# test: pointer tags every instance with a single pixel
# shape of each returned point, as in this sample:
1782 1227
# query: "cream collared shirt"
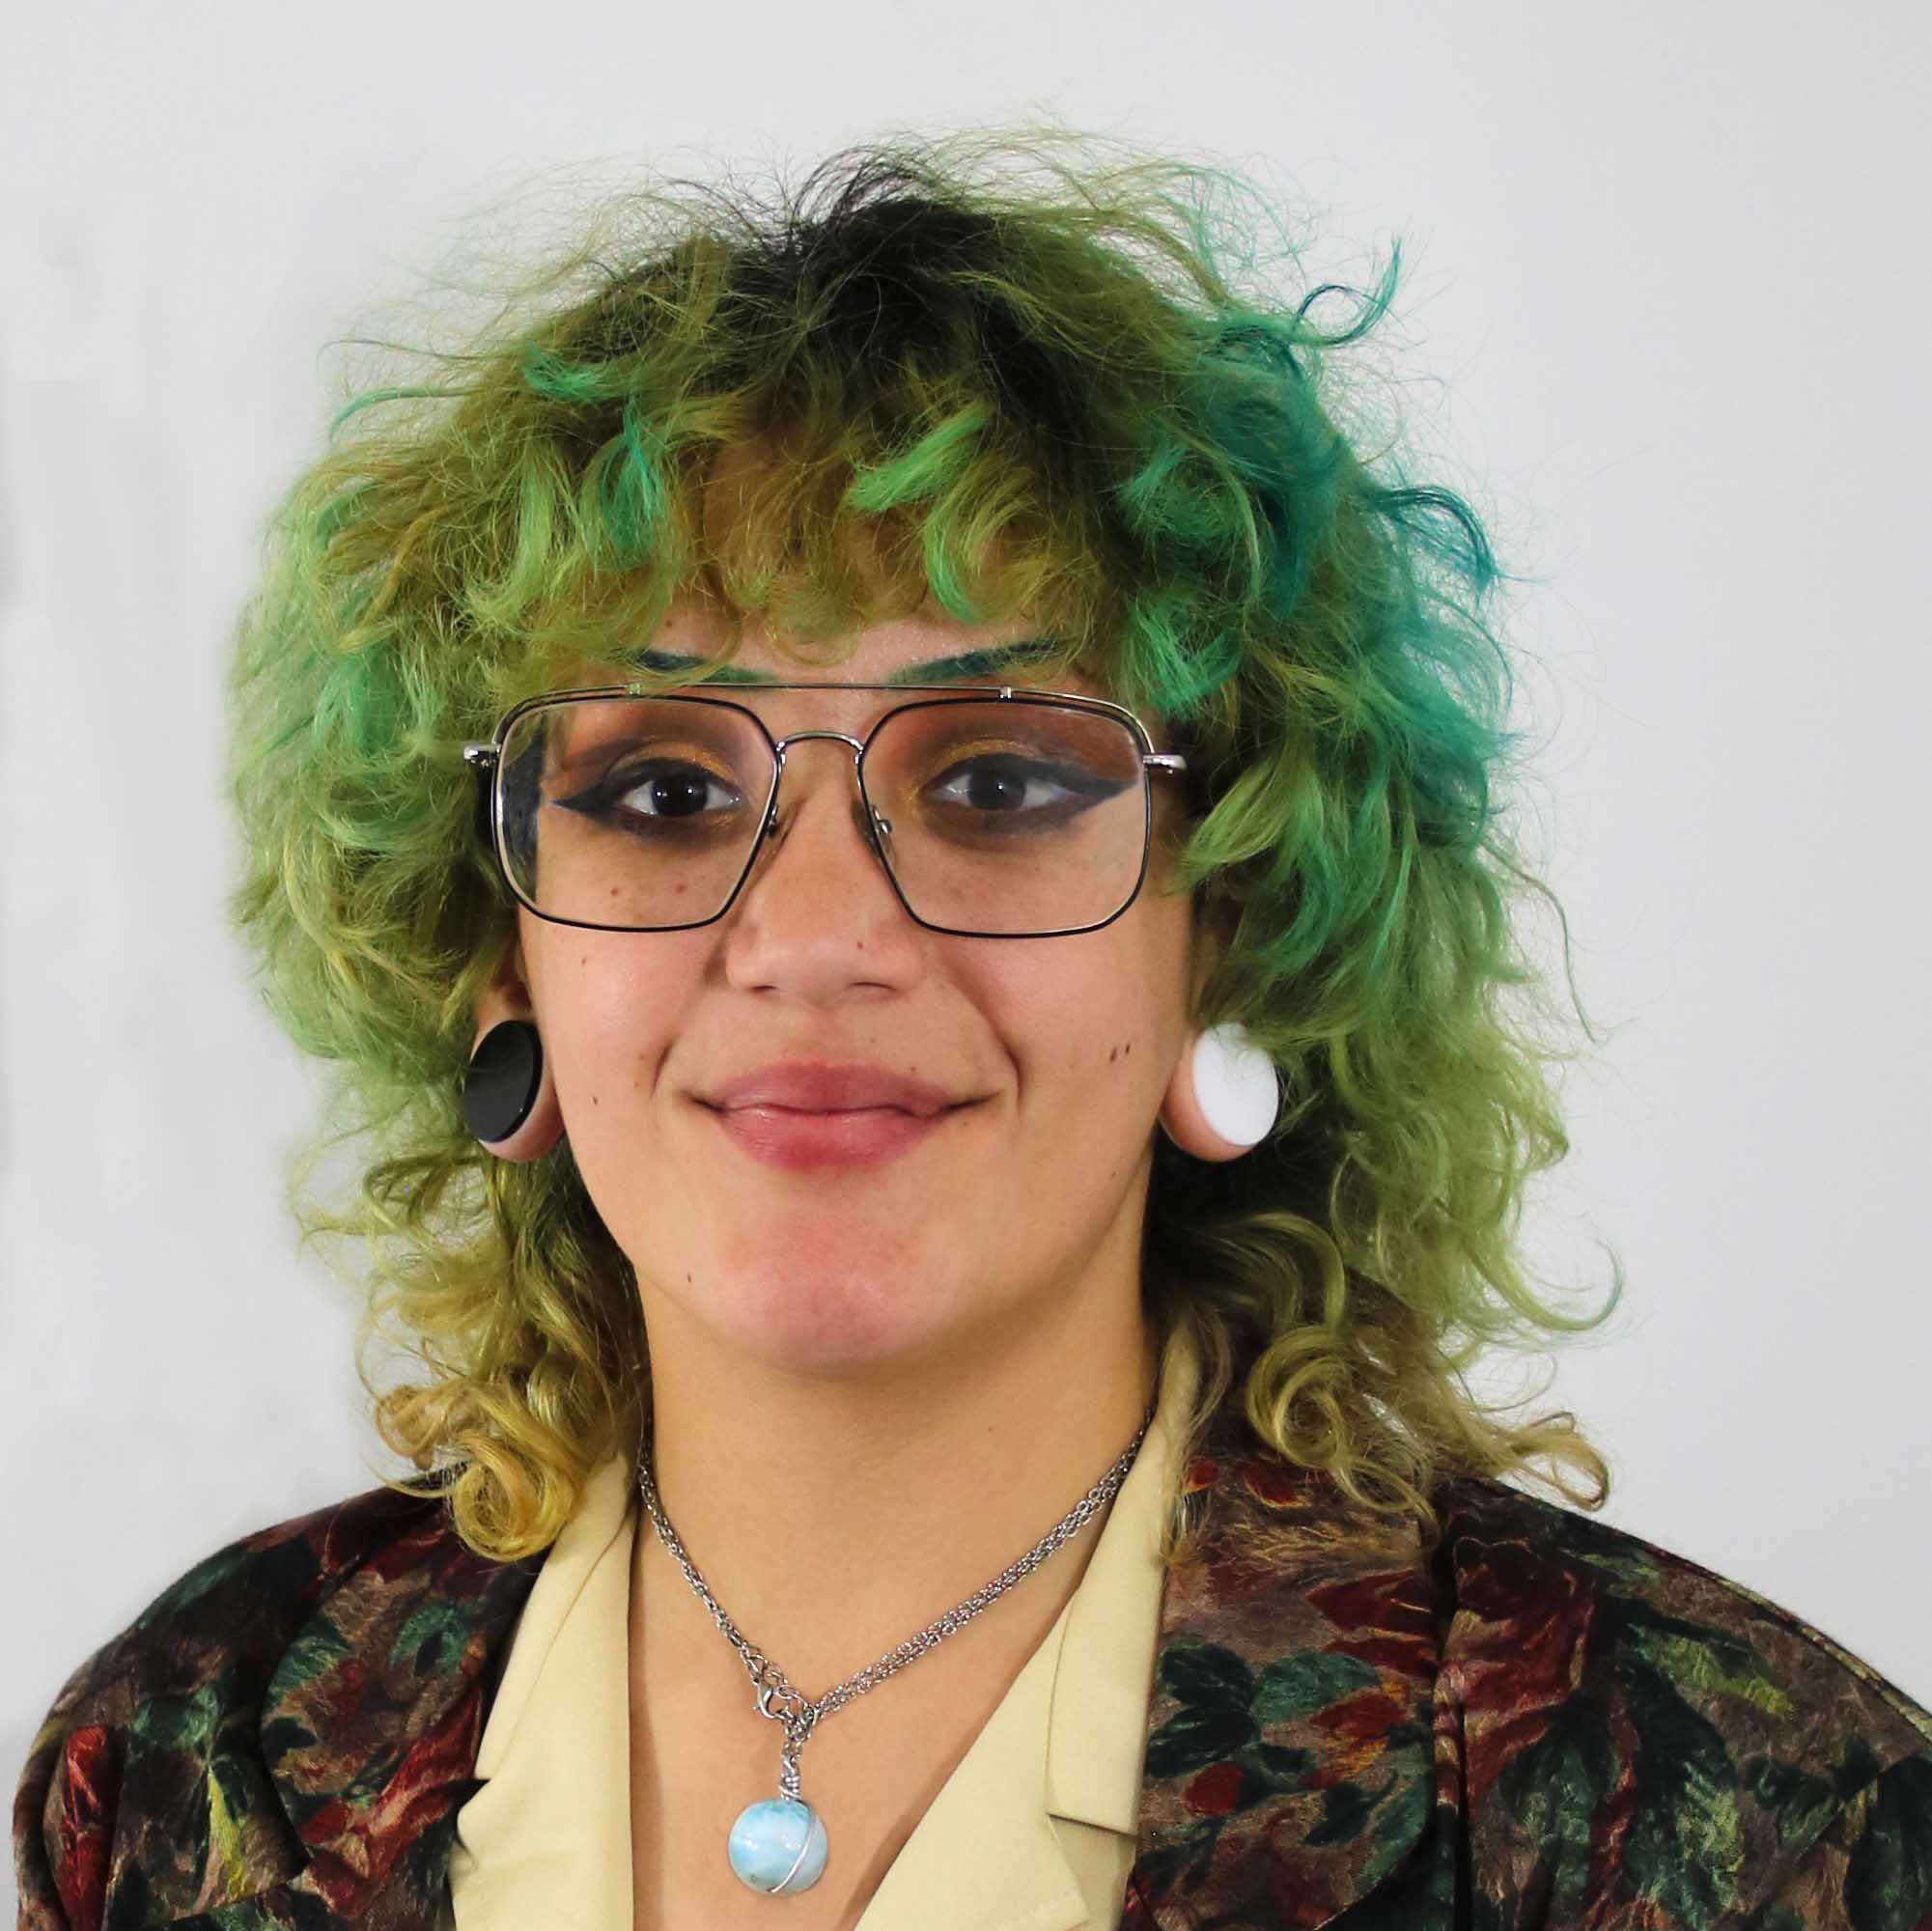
1034 1830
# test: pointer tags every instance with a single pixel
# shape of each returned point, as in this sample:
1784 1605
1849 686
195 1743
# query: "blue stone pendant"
778 1846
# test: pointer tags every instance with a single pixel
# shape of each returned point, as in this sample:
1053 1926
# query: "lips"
820 1086
811 1142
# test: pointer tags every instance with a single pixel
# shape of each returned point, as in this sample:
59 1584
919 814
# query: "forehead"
916 649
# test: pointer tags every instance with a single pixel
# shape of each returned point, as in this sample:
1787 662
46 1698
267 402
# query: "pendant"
778 1846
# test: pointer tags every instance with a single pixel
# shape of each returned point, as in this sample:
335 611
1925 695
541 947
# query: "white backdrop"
1663 308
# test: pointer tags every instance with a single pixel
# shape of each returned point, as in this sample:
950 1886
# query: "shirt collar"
1099 1719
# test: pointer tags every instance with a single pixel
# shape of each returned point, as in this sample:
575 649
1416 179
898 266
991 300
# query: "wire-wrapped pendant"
778 1845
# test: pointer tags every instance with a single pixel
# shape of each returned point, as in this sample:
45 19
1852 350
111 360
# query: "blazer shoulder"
1638 1725
197 1656
250 1594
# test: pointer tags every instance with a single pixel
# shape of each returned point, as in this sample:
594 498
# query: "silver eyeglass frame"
486 760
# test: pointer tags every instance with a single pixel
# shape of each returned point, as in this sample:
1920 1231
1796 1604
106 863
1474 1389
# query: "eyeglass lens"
1000 818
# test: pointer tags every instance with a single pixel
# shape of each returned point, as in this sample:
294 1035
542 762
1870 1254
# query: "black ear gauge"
500 1086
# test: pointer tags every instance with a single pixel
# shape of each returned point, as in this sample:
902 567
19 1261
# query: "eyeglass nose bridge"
881 827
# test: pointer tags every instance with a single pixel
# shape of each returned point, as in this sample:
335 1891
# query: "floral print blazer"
1539 1721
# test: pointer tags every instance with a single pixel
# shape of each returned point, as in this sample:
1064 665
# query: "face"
843 1242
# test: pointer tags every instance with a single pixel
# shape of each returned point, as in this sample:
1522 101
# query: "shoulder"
238 1606
1634 1724
169 1745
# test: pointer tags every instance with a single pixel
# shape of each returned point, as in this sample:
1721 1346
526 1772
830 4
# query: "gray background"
1662 316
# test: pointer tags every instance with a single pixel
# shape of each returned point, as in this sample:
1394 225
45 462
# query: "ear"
1215 920
506 995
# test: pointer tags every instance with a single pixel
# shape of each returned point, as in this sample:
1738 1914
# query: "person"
899 838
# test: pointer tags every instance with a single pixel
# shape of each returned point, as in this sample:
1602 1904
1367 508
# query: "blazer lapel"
369 1732
372 1721
1289 1768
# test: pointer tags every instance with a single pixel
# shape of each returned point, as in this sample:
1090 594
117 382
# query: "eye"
1008 785
999 783
665 790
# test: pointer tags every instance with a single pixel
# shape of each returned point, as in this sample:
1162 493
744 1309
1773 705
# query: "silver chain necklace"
778 1845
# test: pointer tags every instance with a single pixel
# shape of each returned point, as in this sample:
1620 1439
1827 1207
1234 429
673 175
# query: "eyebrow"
986 663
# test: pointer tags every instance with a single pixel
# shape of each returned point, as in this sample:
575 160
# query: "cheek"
1103 1028
610 1005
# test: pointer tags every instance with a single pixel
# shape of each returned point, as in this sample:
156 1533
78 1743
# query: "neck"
834 1519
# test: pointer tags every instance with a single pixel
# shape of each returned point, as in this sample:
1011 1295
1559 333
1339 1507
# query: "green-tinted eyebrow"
980 663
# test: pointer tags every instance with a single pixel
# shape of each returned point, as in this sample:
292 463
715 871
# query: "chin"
822 1316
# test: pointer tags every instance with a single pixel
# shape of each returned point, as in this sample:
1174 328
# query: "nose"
819 916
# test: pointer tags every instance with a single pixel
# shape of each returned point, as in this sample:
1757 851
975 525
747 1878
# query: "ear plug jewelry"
500 1086
1236 1087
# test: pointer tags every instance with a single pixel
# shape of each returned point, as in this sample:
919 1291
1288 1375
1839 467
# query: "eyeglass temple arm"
482 760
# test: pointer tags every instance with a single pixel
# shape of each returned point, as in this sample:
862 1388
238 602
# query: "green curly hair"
1015 377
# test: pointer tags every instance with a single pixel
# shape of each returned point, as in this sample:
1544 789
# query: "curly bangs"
998 377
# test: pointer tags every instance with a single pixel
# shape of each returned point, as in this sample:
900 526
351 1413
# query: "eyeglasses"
1002 814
